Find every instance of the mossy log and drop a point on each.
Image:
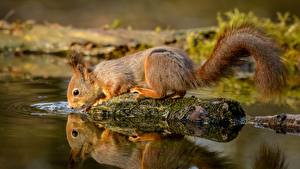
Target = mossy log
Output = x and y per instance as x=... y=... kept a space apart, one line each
x=216 y=119
x=29 y=37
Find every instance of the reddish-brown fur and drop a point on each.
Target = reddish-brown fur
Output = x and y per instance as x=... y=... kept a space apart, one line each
x=162 y=72
x=269 y=74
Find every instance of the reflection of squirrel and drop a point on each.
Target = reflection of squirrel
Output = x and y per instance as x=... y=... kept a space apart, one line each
x=152 y=151
x=162 y=72
x=146 y=151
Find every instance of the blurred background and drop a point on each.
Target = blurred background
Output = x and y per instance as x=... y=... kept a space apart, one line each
x=33 y=137
x=139 y=14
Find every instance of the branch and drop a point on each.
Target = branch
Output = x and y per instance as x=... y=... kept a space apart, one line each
x=282 y=123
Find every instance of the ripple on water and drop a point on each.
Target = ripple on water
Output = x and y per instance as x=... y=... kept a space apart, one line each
x=51 y=108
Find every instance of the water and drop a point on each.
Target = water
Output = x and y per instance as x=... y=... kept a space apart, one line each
x=35 y=136
x=31 y=141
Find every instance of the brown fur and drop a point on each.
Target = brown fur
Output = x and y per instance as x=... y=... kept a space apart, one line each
x=270 y=72
x=162 y=72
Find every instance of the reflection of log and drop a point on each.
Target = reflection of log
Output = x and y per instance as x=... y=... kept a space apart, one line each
x=53 y=38
x=283 y=123
x=215 y=119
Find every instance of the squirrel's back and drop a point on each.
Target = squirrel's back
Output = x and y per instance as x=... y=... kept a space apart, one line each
x=131 y=68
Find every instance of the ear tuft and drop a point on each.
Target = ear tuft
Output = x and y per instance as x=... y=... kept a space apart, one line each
x=77 y=64
x=75 y=59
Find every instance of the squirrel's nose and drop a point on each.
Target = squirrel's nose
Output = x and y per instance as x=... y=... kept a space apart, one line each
x=70 y=107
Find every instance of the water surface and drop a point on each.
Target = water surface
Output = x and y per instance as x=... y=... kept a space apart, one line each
x=34 y=136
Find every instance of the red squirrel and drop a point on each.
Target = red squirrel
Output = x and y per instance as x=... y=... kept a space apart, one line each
x=162 y=72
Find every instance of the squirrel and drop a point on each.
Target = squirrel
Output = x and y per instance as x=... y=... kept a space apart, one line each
x=163 y=72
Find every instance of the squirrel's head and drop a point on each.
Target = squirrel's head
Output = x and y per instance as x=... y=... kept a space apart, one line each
x=82 y=136
x=83 y=91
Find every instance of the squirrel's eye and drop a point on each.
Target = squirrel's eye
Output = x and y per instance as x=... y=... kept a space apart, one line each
x=75 y=92
x=74 y=133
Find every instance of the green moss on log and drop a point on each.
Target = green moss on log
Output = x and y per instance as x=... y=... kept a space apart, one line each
x=216 y=119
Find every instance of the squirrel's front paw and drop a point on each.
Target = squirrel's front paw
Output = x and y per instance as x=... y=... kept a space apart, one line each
x=98 y=102
x=95 y=104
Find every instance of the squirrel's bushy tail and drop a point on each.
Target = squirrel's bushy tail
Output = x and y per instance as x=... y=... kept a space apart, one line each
x=233 y=44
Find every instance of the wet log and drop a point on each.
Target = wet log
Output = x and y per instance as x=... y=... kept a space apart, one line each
x=216 y=119
x=29 y=37
x=282 y=123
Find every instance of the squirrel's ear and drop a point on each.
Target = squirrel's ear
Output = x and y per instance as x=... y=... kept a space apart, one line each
x=85 y=73
x=78 y=66
x=82 y=71
x=75 y=59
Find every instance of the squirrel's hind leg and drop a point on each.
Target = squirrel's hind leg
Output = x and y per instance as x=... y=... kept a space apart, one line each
x=176 y=95
x=148 y=93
